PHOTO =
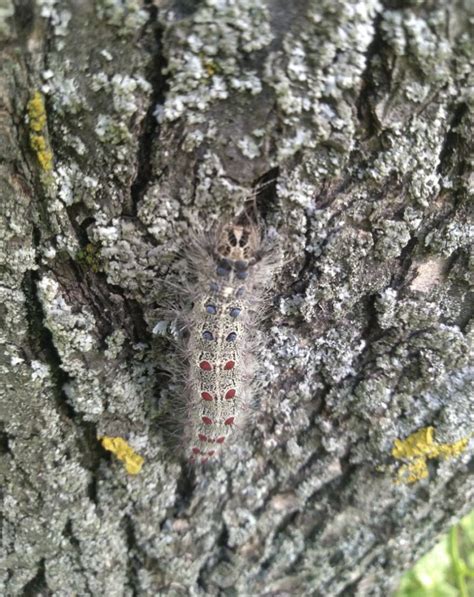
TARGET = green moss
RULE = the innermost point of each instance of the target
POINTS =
(89, 256)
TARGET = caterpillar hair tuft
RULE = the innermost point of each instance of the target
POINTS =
(228, 270)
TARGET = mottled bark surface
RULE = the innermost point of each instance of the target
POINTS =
(158, 119)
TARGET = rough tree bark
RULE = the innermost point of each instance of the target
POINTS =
(122, 126)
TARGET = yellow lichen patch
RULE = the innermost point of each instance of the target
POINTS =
(417, 448)
(36, 112)
(210, 67)
(132, 461)
(37, 124)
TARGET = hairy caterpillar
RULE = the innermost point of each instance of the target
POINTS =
(228, 271)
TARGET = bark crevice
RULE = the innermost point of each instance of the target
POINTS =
(150, 126)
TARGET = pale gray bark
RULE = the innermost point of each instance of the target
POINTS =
(163, 118)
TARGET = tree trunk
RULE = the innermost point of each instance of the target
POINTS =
(123, 129)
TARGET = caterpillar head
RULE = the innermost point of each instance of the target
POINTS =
(238, 242)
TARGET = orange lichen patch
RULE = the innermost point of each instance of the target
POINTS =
(132, 461)
(417, 448)
(37, 123)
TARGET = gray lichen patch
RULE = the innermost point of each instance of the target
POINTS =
(129, 260)
(102, 99)
(7, 10)
(97, 379)
(125, 17)
(204, 64)
(316, 75)
(414, 385)
(456, 234)
(417, 158)
(73, 328)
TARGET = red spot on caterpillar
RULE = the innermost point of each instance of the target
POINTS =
(206, 396)
(206, 420)
(211, 453)
(229, 365)
(202, 437)
(229, 394)
(220, 440)
(205, 365)
(229, 421)
(196, 451)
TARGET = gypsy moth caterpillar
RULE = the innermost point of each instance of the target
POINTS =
(227, 272)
